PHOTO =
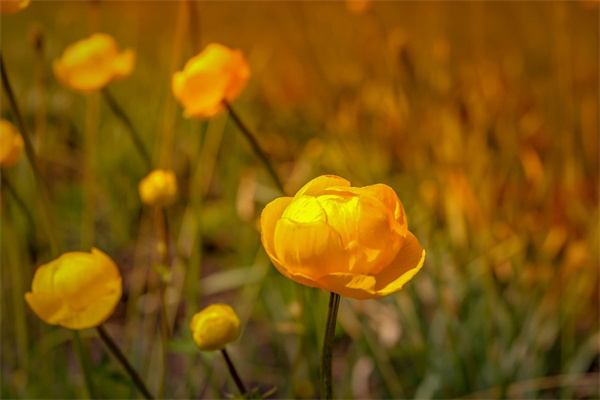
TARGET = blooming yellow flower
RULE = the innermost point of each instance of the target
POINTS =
(215, 75)
(91, 64)
(215, 326)
(159, 188)
(352, 241)
(78, 290)
(11, 144)
(12, 6)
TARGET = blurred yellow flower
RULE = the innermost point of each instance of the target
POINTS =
(78, 290)
(215, 75)
(215, 326)
(351, 241)
(359, 6)
(159, 188)
(13, 6)
(11, 144)
(91, 64)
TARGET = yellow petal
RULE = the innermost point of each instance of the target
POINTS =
(318, 185)
(123, 64)
(310, 249)
(407, 263)
(268, 220)
(96, 313)
(48, 306)
(390, 199)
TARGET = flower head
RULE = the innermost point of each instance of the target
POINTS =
(215, 75)
(215, 326)
(13, 6)
(78, 290)
(159, 188)
(352, 241)
(91, 64)
(11, 144)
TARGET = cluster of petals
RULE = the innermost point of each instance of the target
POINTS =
(348, 240)
(11, 144)
(159, 188)
(215, 326)
(78, 290)
(216, 75)
(91, 64)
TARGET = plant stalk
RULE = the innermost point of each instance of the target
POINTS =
(135, 137)
(327, 350)
(233, 372)
(114, 349)
(255, 146)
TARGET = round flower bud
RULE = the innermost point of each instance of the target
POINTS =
(91, 64)
(78, 290)
(159, 188)
(214, 327)
(11, 144)
(215, 75)
(13, 6)
(348, 240)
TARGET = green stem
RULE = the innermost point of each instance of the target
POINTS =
(114, 349)
(18, 200)
(164, 319)
(42, 185)
(85, 364)
(255, 146)
(327, 350)
(135, 137)
(233, 372)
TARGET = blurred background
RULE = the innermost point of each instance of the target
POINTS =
(483, 116)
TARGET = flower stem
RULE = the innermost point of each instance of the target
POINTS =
(255, 146)
(164, 318)
(85, 365)
(135, 137)
(42, 185)
(233, 372)
(327, 350)
(114, 349)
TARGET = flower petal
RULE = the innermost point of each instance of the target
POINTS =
(318, 185)
(48, 306)
(407, 263)
(268, 220)
(96, 313)
(123, 64)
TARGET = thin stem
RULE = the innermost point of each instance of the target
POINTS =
(327, 350)
(18, 199)
(114, 349)
(255, 146)
(164, 319)
(234, 373)
(85, 363)
(135, 137)
(42, 185)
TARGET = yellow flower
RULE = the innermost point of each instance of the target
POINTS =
(351, 241)
(91, 64)
(11, 144)
(159, 188)
(12, 6)
(215, 75)
(359, 6)
(78, 290)
(215, 326)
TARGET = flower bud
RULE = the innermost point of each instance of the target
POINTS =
(159, 188)
(91, 64)
(13, 6)
(214, 327)
(11, 144)
(78, 290)
(215, 75)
